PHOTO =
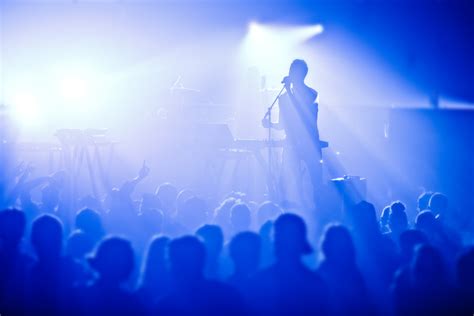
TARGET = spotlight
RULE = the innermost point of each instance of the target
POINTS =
(25, 108)
(271, 47)
(74, 87)
(75, 83)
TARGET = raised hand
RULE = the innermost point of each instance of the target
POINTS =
(144, 171)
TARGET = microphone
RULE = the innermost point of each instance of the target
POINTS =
(286, 80)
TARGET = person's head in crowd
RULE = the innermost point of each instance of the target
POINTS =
(428, 267)
(438, 204)
(149, 202)
(90, 202)
(384, 217)
(113, 260)
(157, 251)
(222, 213)
(213, 239)
(47, 237)
(193, 214)
(408, 241)
(268, 211)
(187, 257)
(12, 229)
(90, 222)
(290, 240)
(398, 219)
(426, 222)
(240, 217)
(50, 196)
(397, 206)
(244, 250)
(337, 246)
(182, 197)
(363, 219)
(238, 195)
(167, 193)
(156, 259)
(423, 202)
(79, 245)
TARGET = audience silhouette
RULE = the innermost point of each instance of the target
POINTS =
(114, 262)
(347, 290)
(14, 263)
(245, 252)
(213, 239)
(288, 287)
(54, 275)
(190, 261)
(192, 293)
(156, 279)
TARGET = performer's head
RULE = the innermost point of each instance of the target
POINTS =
(298, 70)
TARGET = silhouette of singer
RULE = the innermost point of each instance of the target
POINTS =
(298, 117)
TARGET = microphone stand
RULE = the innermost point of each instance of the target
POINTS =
(268, 115)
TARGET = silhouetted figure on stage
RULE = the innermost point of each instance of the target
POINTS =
(298, 117)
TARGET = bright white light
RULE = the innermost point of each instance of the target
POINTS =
(54, 96)
(315, 29)
(75, 83)
(271, 48)
(74, 87)
(25, 109)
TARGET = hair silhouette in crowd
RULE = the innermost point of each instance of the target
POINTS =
(240, 217)
(213, 239)
(113, 262)
(288, 287)
(423, 287)
(398, 220)
(192, 293)
(267, 211)
(245, 252)
(347, 290)
(155, 279)
(423, 201)
(54, 275)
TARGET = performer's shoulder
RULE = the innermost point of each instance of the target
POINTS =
(314, 93)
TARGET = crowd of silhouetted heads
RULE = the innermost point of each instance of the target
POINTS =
(172, 252)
